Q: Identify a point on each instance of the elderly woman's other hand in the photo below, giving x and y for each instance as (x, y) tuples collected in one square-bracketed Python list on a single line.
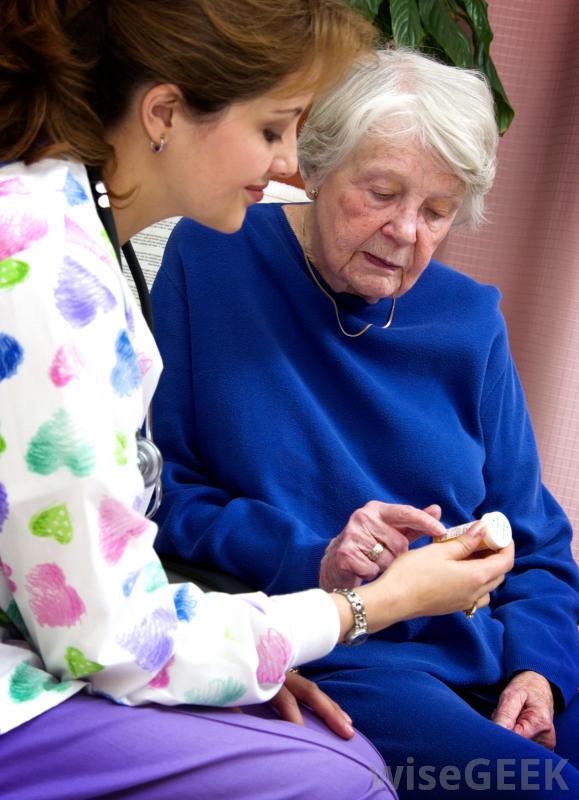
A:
[(373, 537), (526, 707)]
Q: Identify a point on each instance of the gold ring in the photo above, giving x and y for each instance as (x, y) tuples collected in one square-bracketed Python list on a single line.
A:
[(375, 553), (470, 612)]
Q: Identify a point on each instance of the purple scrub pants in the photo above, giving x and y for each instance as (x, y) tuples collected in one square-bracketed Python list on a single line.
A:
[(91, 748)]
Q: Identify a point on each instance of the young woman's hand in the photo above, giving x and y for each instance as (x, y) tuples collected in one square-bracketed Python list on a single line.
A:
[(430, 581), (298, 689)]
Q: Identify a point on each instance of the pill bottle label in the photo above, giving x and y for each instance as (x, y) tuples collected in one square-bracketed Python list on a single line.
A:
[(498, 532)]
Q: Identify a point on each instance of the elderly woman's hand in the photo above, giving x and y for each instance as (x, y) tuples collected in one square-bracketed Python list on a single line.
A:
[(526, 707), (373, 537)]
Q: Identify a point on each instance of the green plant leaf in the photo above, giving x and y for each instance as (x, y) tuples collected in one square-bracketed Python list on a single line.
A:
[(477, 11), (456, 7), (383, 22), (369, 8), (443, 29), (503, 110), (447, 33), (406, 26)]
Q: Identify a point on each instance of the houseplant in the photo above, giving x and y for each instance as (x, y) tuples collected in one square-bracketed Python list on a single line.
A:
[(457, 32)]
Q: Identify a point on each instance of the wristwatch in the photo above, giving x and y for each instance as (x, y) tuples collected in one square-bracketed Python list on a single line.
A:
[(359, 633)]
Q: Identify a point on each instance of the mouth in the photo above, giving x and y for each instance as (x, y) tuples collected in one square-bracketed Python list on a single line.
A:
[(256, 191), (381, 263)]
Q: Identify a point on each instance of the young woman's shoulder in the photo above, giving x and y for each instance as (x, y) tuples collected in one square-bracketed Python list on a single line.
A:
[(50, 175)]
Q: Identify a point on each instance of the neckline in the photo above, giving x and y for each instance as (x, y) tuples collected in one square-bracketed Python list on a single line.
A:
[(355, 308)]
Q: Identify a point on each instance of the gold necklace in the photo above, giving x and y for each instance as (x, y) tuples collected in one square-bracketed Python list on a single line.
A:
[(310, 267)]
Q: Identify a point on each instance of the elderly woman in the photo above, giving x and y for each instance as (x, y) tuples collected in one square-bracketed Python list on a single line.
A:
[(332, 395)]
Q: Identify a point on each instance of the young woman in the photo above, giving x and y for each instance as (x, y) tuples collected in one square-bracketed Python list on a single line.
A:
[(187, 108)]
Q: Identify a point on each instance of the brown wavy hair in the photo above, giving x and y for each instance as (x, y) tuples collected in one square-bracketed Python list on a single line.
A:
[(69, 68)]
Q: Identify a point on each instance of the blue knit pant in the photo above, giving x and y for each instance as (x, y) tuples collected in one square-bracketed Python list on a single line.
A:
[(438, 744)]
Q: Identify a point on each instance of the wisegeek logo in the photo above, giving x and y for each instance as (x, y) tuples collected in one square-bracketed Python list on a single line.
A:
[(480, 774)]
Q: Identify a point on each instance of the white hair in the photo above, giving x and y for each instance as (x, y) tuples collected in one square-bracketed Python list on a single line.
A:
[(399, 95)]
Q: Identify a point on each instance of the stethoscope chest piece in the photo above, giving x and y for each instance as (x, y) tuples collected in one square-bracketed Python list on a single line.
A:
[(150, 461)]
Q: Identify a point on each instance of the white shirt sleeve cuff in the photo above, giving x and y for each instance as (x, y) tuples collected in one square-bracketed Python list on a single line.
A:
[(312, 623)]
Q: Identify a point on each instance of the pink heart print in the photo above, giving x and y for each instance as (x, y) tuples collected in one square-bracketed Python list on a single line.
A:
[(118, 525), (65, 365), (52, 600), (274, 652), (161, 679), (7, 574)]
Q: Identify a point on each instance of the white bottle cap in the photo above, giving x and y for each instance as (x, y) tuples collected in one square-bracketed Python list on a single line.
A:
[(498, 532)]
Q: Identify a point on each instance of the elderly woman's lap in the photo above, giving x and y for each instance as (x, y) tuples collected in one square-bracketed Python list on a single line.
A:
[(90, 748), (438, 746)]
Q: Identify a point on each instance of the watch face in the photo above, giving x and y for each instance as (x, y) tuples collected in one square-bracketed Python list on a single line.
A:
[(357, 636)]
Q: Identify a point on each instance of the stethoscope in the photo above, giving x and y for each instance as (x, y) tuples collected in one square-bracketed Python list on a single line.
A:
[(149, 458)]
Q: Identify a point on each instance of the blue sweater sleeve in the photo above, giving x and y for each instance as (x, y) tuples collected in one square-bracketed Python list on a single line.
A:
[(538, 603), (200, 519)]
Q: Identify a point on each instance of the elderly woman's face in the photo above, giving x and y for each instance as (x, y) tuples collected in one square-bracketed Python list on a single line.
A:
[(380, 216)]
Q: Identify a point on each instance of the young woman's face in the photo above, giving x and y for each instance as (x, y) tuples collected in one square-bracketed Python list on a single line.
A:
[(219, 168)]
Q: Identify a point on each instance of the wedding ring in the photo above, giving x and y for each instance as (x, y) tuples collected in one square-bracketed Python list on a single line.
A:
[(375, 553), (470, 612)]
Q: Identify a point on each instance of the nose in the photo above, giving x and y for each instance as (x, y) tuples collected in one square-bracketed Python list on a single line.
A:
[(403, 225), (285, 160)]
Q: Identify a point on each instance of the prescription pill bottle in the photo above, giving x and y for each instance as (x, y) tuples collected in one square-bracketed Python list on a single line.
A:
[(498, 533)]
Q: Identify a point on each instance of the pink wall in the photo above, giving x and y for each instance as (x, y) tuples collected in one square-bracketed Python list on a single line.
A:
[(530, 247)]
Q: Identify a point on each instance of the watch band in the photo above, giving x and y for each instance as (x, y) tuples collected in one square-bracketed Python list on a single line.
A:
[(359, 632)]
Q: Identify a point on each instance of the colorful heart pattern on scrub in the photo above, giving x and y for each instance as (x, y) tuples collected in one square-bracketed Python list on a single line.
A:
[(185, 602), (219, 692), (274, 652), (58, 444), (11, 356), (4, 507), (162, 679), (53, 602), (12, 272), (76, 235), (78, 665), (73, 191), (79, 294), (150, 642), (27, 683), (65, 365), (118, 525), (126, 374), (8, 575), (54, 523), (80, 582), (19, 232)]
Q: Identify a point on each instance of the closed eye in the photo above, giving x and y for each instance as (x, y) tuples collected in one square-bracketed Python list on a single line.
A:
[(383, 195), (437, 214)]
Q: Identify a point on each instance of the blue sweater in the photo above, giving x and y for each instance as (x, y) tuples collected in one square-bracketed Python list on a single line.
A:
[(275, 428)]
